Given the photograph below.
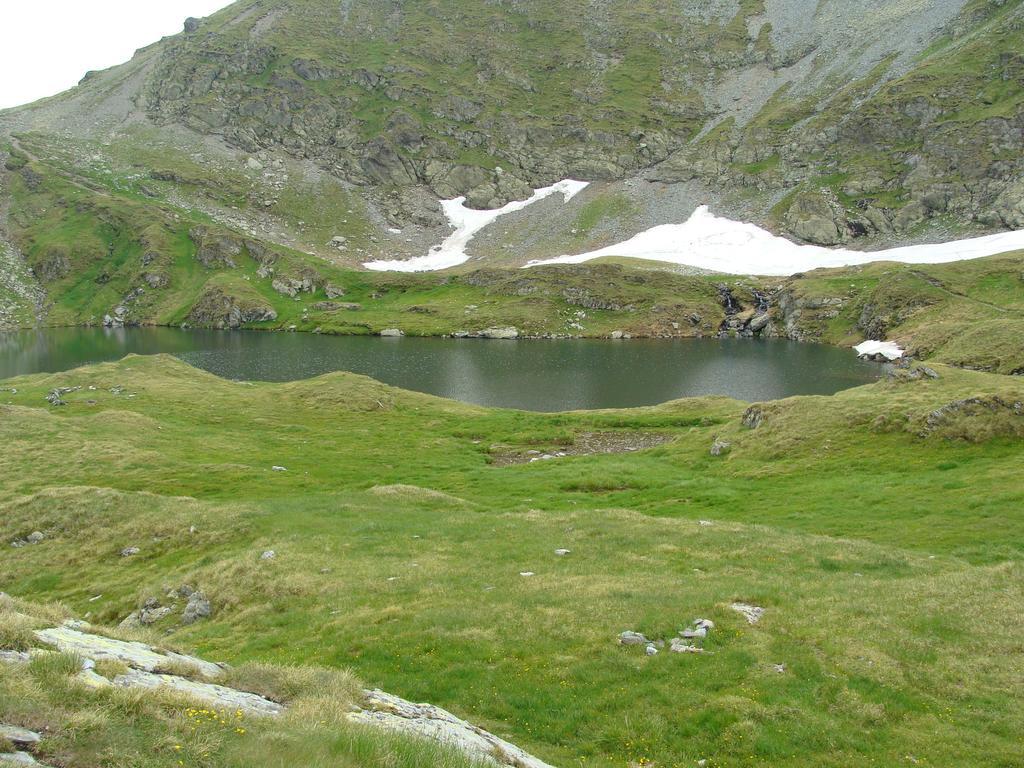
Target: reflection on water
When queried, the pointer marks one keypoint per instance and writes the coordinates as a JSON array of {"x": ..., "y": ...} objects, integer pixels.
[{"x": 534, "y": 375}]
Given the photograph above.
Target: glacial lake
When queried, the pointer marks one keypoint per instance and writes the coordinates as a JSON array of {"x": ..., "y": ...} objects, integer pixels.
[{"x": 537, "y": 375}]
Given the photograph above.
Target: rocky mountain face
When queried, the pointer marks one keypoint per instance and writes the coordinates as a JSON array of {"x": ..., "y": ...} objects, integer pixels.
[
  {"x": 291, "y": 133},
  {"x": 869, "y": 117}
]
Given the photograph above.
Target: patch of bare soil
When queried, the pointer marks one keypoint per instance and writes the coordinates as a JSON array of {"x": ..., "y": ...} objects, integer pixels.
[{"x": 584, "y": 444}]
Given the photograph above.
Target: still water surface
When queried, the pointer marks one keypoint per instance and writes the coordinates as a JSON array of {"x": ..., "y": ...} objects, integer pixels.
[{"x": 533, "y": 375}]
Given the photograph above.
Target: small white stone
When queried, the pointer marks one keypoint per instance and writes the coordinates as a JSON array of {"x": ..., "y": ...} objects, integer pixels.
[
  {"x": 752, "y": 613},
  {"x": 527, "y": 573}
]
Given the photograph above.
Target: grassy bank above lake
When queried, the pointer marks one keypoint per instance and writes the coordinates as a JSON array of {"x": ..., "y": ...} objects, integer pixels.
[{"x": 879, "y": 528}]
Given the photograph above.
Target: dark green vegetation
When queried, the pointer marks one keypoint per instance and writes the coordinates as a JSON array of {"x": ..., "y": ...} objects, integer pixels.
[{"x": 878, "y": 527}]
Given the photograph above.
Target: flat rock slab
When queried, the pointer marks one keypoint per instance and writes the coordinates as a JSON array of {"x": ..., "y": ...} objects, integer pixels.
[
  {"x": 215, "y": 695},
  {"x": 18, "y": 758},
  {"x": 135, "y": 655},
  {"x": 384, "y": 710},
  {"x": 20, "y": 737}
]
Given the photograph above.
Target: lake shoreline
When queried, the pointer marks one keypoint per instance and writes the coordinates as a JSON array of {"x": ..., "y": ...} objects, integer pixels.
[
  {"x": 481, "y": 335},
  {"x": 557, "y": 375}
]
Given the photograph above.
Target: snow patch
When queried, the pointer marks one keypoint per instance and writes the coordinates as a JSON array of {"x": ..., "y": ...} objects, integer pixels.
[
  {"x": 890, "y": 350},
  {"x": 712, "y": 242},
  {"x": 467, "y": 222}
]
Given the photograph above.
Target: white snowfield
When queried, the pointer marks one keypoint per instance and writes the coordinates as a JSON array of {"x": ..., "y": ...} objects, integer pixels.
[
  {"x": 467, "y": 223},
  {"x": 890, "y": 350},
  {"x": 711, "y": 242}
]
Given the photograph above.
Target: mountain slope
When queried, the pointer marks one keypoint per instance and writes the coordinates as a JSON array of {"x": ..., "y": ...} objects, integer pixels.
[{"x": 324, "y": 134}]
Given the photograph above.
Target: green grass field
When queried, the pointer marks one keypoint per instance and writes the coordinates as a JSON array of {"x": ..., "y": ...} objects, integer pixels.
[{"x": 884, "y": 542}]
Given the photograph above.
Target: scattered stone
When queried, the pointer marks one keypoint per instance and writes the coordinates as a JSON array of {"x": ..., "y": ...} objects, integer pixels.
[
  {"x": 681, "y": 646},
  {"x": 704, "y": 522},
  {"x": 752, "y": 613},
  {"x": 278, "y": 469},
  {"x": 527, "y": 573},
  {"x": 651, "y": 650},
  {"x": 35, "y": 537},
  {"x": 198, "y": 607},
  {"x": 268, "y": 555},
  {"x": 150, "y": 613},
  {"x": 392, "y": 332},
  {"x": 753, "y": 417},
  {"x": 685, "y": 642},
  {"x": 562, "y": 552},
  {"x": 633, "y": 638},
  {"x": 54, "y": 398},
  {"x": 780, "y": 668},
  {"x": 720, "y": 447},
  {"x": 130, "y": 551},
  {"x": 153, "y": 615}
]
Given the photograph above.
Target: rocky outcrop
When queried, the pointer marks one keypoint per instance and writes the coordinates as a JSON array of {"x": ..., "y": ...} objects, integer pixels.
[
  {"x": 293, "y": 286},
  {"x": 815, "y": 218},
  {"x": 218, "y": 309},
  {"x": 215, "y": 249},
  {"x": 976, "y": 418},
  {"x": 53, "y": 265}
]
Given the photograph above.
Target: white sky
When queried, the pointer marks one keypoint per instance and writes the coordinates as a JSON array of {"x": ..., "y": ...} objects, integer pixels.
[{"x": 47, "y": 45}]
